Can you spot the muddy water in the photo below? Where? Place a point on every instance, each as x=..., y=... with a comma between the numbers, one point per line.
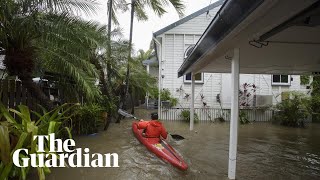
x=264, y=152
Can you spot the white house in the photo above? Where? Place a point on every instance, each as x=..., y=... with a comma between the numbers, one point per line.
x=176, y=41
x=262, y=37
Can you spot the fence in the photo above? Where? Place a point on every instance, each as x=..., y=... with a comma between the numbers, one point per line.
x=210, y=114
x=12, y=94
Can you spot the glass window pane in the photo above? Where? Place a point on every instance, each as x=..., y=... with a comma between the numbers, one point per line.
x=188, y=77
x=276, y=78
x=284, y=78
x=198, y=77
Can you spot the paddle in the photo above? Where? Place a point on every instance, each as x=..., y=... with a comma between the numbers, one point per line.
x=126, y=114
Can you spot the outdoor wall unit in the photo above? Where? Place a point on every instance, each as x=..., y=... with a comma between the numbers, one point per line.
x=262, y=101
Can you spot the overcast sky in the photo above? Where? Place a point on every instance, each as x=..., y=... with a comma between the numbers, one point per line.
x=142, y=31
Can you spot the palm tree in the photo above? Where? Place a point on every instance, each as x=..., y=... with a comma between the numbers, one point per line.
x=141, y=81
x=139, y=6
x=48, y=33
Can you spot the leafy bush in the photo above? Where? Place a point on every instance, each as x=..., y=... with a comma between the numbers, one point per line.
x=293, y=111
x=166, y=96
x=304, y=79
x=87, y=119
x=243, y=117
x=315, y=106
x=185, y=115
x=220, y=119
x=18, y=133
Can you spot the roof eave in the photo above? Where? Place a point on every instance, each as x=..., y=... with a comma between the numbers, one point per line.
x=189, y=17
x=231, y=14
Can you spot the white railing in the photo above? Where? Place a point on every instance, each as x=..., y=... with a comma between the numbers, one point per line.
x=210, y=114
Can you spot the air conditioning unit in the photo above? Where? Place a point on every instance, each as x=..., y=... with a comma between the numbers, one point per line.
x=263, y=101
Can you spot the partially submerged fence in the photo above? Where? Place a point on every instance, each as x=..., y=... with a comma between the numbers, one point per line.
x=210, y=114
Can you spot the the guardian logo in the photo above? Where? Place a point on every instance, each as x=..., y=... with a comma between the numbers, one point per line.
x=59, y=154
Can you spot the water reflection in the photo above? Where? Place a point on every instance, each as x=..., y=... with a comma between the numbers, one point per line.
x=264, y=152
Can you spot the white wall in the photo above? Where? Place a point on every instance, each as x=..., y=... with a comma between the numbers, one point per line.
x=174, y=44
x=196, y=25
x=173, y=55
x=264, y=86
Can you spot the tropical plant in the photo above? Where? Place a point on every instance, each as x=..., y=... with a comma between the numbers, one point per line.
x=247, y=93
x=315, y=99
x=47, y=34
x=138, y=7
x=16, y=133
x=185, y=116
x=165, y=95
x=304, y=79
x=220, y=119
x=293, y=111
x=87, y=119
x=243, y=117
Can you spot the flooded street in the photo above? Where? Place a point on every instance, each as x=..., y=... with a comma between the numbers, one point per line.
x=265, y=151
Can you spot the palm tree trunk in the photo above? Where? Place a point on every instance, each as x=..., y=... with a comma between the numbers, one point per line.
x=31, y=86
x=19, y=62
x=109, y=117
x=123, y=98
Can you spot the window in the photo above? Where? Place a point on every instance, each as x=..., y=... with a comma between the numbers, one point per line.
x=188, y=50
x=281, y=80
x=198, y=78
x=187, y=78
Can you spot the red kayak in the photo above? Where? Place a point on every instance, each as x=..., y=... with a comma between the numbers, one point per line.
x=161, y=148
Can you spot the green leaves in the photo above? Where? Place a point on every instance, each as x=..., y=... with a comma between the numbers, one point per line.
x=22, y=133
x=4, y=144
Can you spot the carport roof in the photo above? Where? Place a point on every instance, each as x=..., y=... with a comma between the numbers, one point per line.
x=273, y=37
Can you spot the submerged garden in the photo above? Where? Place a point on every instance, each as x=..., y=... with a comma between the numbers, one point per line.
x=85, y=72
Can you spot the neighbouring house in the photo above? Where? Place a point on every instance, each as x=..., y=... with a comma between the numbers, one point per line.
x=152, y=67
x=212, y=90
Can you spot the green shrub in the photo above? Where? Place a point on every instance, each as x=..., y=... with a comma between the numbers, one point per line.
x=87, y=119
x=166, y=96
x=185, y=115
x=17, y=133
x=293, y=111
x=304, y=79
x=220, y=119
x=243, y=117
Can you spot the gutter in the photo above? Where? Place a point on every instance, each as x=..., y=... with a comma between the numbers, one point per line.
x=230, y=15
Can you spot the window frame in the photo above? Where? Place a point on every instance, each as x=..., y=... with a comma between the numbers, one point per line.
x=196, y=81
x=281, y=83
x=189, y=47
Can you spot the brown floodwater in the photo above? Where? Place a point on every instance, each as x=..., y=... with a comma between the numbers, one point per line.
x=265, y=151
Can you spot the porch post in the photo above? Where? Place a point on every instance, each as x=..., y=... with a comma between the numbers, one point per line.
x=147, y=94
x=233, y=143
x=192, y=102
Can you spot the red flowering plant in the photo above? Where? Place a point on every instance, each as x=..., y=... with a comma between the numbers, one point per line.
x=247, y=93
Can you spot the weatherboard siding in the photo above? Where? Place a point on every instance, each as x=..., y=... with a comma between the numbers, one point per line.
x=175, y=45
x=197, y=25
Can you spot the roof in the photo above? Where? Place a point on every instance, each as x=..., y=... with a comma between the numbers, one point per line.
x=187, y=18
x=287, y=44
x=228, y=17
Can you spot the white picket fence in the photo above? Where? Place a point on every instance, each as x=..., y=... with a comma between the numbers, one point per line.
x=210, y=114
